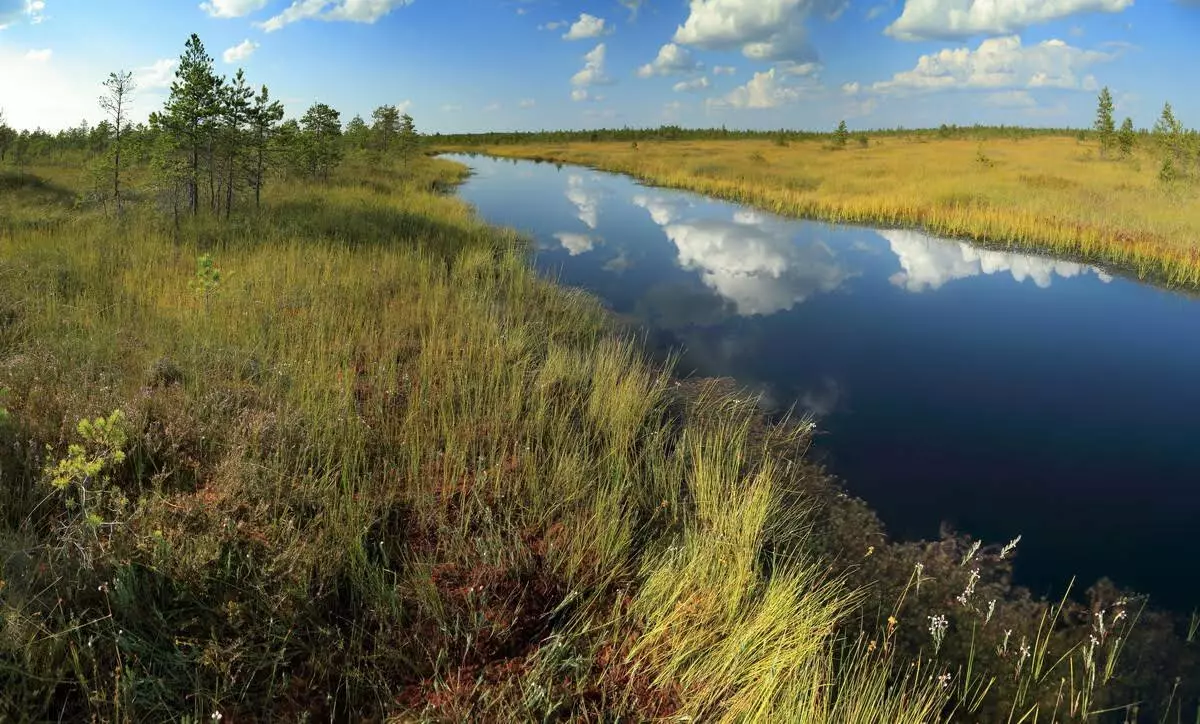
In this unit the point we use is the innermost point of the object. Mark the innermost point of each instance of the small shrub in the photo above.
(757, 157)
(983, 159)
(207, 277)
(863, 140)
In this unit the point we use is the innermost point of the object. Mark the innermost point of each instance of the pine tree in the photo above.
(1126, 138)
(321, 140)
(385, 128)
(841, 135)
(190, 111)
(235, 114)
(357, 135)
(119, 88)
(1104, 121)
(265, 116)
(409, 138)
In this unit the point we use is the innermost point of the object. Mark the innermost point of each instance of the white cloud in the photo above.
(1010, 99)
(527, 103)
(755, 262)
(553, 25)
(13, 10)
(948, 19)
(762, 29)
(575, 244)
(997, 63)
(851, 89)
(633, 6)
(39, 56)
(232, 8)
(764, 90)
(724, 70)
(492, 107)
(593, 72)
(240, 52)
(355, 11)
(928, 262)
(587, 26)
(159, 74)
(451, 108)
(671, 59)
(696, 84)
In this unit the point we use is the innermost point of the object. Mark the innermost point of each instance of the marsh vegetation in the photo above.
(287, 433)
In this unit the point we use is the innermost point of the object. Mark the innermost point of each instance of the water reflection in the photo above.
(752, 260)
(1007, 402)
(586, 200)
(928, 262)
(575, 244)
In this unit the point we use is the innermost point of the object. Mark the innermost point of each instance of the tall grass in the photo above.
(371, 465)
(1044, 193)
(362, 463)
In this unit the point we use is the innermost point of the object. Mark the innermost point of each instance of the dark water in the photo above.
(1002, 393)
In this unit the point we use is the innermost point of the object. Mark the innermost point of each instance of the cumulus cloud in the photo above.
(527, 103)
(575, 244)
(240, 52)
(851, 89)
(553, 25)
(232, 8)
(593, 73)
(39, 56)
(765, 30)
(355, 11)
(587, 26)
(633, 6)
(997, 63)
(724, 70)
(764, 90)
(159, 74)
(12, 11)
(951, 19)
(696, 84)
(928, 262)
(671, 59)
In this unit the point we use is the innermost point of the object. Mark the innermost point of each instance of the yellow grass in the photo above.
(1051, 194)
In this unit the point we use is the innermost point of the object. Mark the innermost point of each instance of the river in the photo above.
(1002, 394)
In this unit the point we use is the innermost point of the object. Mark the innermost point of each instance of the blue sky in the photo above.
(474, 65)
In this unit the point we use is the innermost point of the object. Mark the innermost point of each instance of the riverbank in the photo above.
(1043, 193)
(351, 457)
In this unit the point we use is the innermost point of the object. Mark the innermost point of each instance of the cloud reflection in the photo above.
(755, 262)
(575, 244)
(928, 262)
(586, 200)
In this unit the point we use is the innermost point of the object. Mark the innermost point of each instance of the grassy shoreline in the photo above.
(1044, 195)
(379, 469)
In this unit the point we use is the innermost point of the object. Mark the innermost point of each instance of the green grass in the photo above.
(1046, 193)
(368, 465)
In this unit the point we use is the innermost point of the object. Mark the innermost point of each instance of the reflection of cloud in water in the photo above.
(754, 261)
(662, 209)
(575, 244)
(619, 263)
(823, 399)
(929, 262)
(585, 199)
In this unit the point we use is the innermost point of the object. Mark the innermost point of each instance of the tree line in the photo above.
(214, 145)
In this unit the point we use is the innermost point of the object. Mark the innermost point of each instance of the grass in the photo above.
(350, 458)
(1045, 193)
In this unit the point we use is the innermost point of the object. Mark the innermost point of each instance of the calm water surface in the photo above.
(1002, 393)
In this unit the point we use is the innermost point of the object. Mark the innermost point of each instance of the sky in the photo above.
(480, 65)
